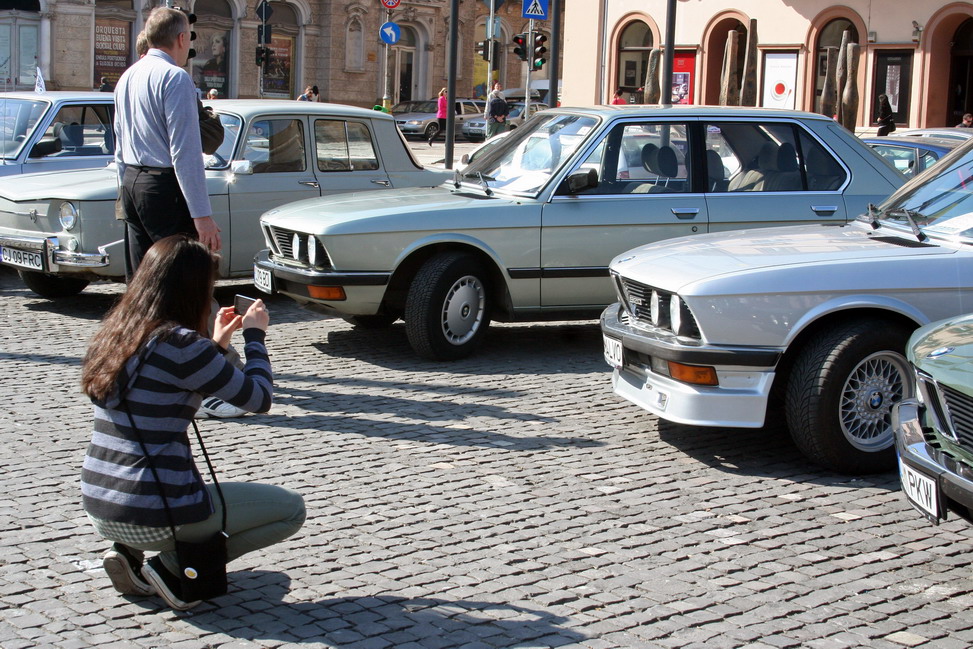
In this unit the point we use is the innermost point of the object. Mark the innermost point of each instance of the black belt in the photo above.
(155, 171)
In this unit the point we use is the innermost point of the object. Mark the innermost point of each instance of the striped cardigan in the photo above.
(163, 387)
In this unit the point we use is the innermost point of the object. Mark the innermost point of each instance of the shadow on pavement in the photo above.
(257, 612)
(764, 452)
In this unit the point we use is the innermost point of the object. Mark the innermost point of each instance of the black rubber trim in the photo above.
(319, 278)
(558, 273)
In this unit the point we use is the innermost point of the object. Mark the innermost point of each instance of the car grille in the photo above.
(282, 245)
(952, 410)
(282, 241)
(638, 298)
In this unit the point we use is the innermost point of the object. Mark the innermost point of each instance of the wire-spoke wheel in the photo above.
(867, 399)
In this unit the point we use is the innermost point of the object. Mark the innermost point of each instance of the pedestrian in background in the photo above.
(442, 108)
(146, 371)
(213, 94)
(105, 86)
(496, 111)
(307, 95)
(158, 149)
(967, 121)
(885, 121)
(617, 98)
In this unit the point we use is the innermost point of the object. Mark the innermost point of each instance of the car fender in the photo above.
(447, 240)
(855, 302)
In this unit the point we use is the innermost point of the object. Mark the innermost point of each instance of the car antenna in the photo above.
(484, 185)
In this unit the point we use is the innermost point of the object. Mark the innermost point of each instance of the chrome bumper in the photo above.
(55, 256)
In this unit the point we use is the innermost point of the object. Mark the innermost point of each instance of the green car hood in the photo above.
(945, 350)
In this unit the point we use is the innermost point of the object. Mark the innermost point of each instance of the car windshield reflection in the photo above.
(531, 155)
(231, 131)
(942, 206)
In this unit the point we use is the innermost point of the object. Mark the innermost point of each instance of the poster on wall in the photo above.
(779, 80)
(683, 73)
(111, 49)
(210, 68)
(277, 77)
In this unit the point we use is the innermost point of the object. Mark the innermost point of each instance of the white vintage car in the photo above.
(526, 231)
(59, 229)
(812, 321)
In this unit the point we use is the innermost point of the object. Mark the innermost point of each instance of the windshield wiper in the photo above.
(872, 216)
(484, 185)
(911, 216)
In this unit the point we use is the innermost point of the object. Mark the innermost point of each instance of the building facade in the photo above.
(334, 44)
(919, 54)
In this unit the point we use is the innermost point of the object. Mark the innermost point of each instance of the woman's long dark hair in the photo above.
(173, 286)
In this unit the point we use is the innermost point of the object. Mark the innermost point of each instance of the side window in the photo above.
(928, 160)
(752, 157)
(275, 146)
(344, 146)
(471, 109)
(81, 131)
(823, 171)
(902, 158)
(648, 158)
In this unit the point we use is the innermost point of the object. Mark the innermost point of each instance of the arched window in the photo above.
(355, 46)
(633, 57)
(214, 29)
(279, 78)
(19, 30)
(830, 36)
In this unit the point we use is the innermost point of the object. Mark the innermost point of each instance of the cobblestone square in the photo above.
(509, 500)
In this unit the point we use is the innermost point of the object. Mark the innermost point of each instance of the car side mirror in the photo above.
(242, 167)
(465, 159)
(578, 182)
(45, 148)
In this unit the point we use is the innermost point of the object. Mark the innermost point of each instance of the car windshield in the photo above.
(940, 204)
(424, 107)
(231, 131)
(20, 118)
(532, 154)
(404, 107)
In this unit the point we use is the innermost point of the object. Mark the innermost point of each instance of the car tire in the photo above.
(447, 310)
(842, 387)
(432, 131)
(378, 321)
(52, 286)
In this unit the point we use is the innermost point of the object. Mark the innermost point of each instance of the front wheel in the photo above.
(432, 131)
(52, 286)
(447, 310)
(840, 395)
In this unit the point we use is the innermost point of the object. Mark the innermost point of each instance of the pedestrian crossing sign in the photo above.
(536, 9)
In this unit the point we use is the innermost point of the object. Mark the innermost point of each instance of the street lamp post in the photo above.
(667, 65)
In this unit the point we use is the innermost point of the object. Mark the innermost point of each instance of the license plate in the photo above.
(613, 351)
(22, 258)
(263, 279)
(921, 491)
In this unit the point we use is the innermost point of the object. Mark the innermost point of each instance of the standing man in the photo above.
(496, 111)
(158, 150)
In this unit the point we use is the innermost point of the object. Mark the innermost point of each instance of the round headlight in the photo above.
(68, 216)
(655, 308)
(296, 247)
(675, 313)
(312, 250)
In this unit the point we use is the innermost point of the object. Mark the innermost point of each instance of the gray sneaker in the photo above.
(166, 584)
(123, 568)
(219, 409)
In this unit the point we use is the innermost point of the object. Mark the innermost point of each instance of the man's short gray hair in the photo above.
(164, 25)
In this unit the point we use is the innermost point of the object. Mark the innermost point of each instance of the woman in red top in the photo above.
(441, 108)
(617, 97)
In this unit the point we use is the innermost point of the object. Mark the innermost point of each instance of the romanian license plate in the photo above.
(22, 258)
(613, 351)
(921, 491)
(263, 280)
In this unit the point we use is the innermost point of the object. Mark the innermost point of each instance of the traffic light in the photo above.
(520, 40)
(538, 59)
(192, 34)
(263, 55)
(482, 48)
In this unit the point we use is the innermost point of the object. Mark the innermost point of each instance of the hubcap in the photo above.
(463, 310)
(876, 384)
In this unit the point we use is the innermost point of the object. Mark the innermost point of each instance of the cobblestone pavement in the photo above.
(506, 501)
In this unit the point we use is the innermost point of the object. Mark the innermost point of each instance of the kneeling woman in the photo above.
(149, 367)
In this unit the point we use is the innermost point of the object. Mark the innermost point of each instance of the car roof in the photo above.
(909, 140)
(680, 110)
(290, 106)
(58, 95)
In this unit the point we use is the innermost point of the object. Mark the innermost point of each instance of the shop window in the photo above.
(633, 59)
(19, 33)
(830, 36)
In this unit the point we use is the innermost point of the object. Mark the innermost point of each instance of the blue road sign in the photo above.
(536, 9)
(390, 33)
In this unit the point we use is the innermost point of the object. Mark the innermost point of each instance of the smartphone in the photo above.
(241, 303)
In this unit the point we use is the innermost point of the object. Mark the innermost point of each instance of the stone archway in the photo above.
(714, 41)
(947, 94)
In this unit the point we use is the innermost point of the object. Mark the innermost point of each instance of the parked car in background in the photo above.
(475, 129)
(422, 121)
(59, 229)
(805, 324)
(527, 230)
(941, 132)
(934, 429)
(912, 155)
(53, 131)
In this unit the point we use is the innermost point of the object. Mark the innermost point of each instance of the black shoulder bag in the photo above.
(202, 565)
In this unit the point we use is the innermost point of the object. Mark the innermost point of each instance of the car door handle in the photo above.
(824, 209)
(383, 183)
(685, 212)
(309, 183)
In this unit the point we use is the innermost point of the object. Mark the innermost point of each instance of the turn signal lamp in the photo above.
(694, 374)
(335, 293)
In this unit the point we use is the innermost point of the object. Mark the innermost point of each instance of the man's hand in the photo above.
(209, 233)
